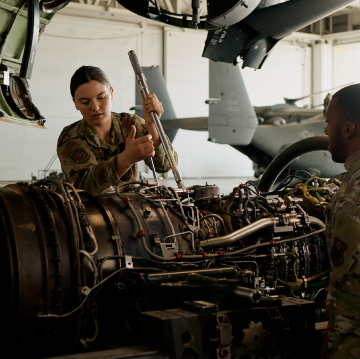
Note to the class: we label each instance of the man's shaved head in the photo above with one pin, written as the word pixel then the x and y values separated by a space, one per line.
pixel 348 103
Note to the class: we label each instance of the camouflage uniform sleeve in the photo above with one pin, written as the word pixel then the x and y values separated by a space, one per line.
pixel 343 299
pixel 79 165
pixel 161 163
pixel 345 237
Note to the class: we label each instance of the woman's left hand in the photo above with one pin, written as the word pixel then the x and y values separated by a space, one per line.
pixel 150 104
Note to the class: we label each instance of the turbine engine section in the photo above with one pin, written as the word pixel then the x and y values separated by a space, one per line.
pixel 86 272
pixel 219 14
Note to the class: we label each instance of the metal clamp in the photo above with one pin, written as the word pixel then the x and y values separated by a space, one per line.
pixel 225 336
pixel 129 262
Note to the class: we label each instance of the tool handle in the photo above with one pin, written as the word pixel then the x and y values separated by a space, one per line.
pixel 141 80
pixel 135 62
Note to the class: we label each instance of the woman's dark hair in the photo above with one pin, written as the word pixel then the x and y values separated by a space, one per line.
pixel 86 74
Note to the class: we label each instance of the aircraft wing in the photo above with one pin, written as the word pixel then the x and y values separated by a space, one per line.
pixel 281 110
pixel 281 20
pixel 189 123
pixel 288 114
pixel 254 37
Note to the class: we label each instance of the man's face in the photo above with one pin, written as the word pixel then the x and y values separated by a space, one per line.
pixel 335 132
pixel 93 100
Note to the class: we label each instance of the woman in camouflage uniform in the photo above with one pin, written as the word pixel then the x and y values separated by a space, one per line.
pixel 103 148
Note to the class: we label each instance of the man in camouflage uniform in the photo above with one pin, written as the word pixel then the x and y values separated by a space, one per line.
pixel 89 162
pixel 343 228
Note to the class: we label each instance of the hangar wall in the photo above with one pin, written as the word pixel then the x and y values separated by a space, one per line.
pixel 346 68
pixel 70 42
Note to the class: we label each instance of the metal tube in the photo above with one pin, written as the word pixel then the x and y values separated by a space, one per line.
pixel 252 295
pixel 196 13
pixel 152 167
pixel 141 80
pixel 213 215
pixel 172 277
pixel 233 237
pixel 251 229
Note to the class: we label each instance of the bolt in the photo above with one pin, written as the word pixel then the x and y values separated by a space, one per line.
pixel 147 212
pixel 223 353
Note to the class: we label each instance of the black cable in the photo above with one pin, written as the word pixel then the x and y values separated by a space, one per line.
pixel 253 185
pixel 246 207
pixel 265 203
pixel 229 214
pixel 256 193
pixel 92 289
pixel 264 209
pixel 253 213
pixel 287 181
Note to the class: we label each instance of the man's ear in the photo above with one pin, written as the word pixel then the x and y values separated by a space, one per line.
pixel 350 128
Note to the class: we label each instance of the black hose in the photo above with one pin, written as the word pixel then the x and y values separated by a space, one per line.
pixel 285 157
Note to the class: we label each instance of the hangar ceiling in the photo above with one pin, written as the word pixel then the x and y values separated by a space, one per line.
pixel 347 19
pixel 344 20
pixel 339 28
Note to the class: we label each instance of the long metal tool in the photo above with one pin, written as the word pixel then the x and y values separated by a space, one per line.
pixel 141 80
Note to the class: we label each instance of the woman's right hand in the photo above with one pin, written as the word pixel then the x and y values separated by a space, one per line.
pixel 136 149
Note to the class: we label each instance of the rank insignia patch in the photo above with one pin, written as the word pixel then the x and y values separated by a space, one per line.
pixel 99 154
pixel 69 147
pixel 337 252
pixel 79 155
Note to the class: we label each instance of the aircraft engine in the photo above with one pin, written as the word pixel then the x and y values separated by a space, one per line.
pixel 52 6
pixel 276 121
pixel 219 14
pixel 194 274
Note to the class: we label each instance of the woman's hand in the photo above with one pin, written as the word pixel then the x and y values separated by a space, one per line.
pixel 136 149
pixel 150 104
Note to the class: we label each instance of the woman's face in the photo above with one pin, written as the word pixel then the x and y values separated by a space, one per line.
pixel 93 100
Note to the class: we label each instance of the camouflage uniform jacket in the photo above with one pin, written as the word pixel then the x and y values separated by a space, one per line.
pixel 343 243
pixel 89 162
